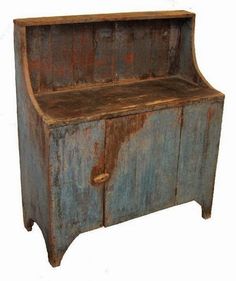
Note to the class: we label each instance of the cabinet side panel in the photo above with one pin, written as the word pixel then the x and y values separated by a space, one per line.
pixel 198 151
pixel 33 148
pixel 188 68
pixel 141 157
pixel 76 156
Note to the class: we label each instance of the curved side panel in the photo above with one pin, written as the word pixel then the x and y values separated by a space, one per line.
pixel 188 63
pixel 33 147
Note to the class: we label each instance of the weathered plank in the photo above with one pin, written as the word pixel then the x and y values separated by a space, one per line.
pixel 142 49
pixel 83 53
pixel 62 55
pixel 111 101
pixel 34 56
pixel 174 43
pixel 159 48
pixel 103 52
pixel 141 158
pixel 123 50
pixel 76 157
pixel 33 148
pixel 198 152
pixel 46 63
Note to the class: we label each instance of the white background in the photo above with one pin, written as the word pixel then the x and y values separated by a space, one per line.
pixel 174 244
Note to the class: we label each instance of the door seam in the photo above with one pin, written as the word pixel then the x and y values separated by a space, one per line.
pixel 104 169
pixel 179 149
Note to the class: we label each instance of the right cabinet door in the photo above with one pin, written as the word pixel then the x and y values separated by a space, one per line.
pixel 141 156
pixel 200 136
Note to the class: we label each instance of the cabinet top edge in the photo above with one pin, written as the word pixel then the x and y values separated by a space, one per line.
pixel 54 122
pixel 149 15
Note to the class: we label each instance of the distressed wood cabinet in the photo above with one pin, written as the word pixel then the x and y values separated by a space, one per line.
pixel 115 121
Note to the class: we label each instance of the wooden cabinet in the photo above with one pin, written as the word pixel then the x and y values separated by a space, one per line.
pixel 115 121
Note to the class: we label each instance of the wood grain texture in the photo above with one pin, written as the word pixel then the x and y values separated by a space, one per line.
pixel 141 158
pixel 104 17
pixel 103 52
pixel 111 101
pixel 198 153
pixel 76 157
pixel 142 49
pixel 159 52
pixel 123 51
pixel 46 62
pixel 174 47
pixel 83 53
pixel 34 55
pixel 62 56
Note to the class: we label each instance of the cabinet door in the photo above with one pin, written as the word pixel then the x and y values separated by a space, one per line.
pixel 141 157
pixel 76 157
pixel 198 152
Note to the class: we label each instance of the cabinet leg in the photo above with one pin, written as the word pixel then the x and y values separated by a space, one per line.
pixel 56 252
pixel 55 258
pixel 206 210
pixel 28 223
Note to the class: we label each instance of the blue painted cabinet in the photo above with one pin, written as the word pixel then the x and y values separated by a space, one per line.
pixel 115 121
pixel 152 161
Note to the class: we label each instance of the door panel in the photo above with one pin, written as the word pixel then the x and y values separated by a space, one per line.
pixel 77 156
pixel 141 157
pixel 198 151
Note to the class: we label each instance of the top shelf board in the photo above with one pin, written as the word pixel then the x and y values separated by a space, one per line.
pixel 104 17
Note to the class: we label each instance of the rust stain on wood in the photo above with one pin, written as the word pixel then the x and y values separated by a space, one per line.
pixel 129 58
pixel 210 114
pixel 119 131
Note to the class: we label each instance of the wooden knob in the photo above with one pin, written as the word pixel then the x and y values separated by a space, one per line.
pixel 101 178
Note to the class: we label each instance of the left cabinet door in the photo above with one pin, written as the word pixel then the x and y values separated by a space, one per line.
pixel 76 157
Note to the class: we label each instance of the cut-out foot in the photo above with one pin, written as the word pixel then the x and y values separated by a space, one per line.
pixel 55 254
pixel 206 213
pixel 28 224
pixel 55 260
